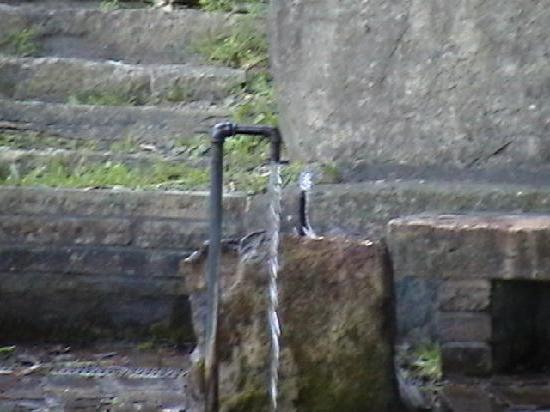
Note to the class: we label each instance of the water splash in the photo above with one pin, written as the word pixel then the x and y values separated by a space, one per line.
pixel 275 188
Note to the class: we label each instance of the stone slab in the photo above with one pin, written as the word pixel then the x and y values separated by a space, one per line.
pixel 65 231
pixel 472 246
pixel 144 124
pixel 90 260
pixel 59 79
pixel 176 234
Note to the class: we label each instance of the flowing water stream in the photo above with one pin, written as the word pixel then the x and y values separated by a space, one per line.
pixel 274 225
pixel 306 184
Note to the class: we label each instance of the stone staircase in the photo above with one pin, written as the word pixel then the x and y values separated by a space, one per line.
pixel 126 86
pixel 84 88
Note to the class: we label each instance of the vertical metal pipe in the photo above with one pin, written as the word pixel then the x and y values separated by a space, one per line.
pixel 214 251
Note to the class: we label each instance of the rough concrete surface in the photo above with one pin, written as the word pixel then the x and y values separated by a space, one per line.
pixel 415 81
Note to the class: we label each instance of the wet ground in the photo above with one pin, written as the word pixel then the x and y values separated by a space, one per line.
pixel 499 394
pixel 103 378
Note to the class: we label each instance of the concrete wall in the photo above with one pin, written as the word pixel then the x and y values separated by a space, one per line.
pixel 77 264
pixel 459 83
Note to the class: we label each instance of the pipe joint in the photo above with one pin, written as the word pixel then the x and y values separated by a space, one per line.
pixel 222 131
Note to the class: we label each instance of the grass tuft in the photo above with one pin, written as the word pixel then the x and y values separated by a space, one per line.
pixel 110 174
pixel 20 43
pixel 427 361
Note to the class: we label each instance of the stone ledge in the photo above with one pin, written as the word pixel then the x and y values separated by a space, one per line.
pixel 115 203
pixel 466 246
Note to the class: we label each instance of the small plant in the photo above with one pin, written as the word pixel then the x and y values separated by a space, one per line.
pixel 245 47
pixel 126 145
pixel 34 140
pixel 178 93
pixel 21 43
pixel 427 361
pixel 109 5
pixel 257 105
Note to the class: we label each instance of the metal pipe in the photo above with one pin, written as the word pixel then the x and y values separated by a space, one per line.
pixel 220 132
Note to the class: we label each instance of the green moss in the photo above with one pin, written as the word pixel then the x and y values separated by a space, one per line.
pixel 20 43
pixel 109 5
pixel 167 332
pixel 230 5
pixel 363 387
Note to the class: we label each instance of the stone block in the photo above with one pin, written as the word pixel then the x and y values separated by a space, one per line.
pixel 464 295
pixel 469 398
pixel 464 327
pixel 466 359
pixel 71 308
pixel 176 234
pixel 403 83
pixel 335 300
pixel 472 246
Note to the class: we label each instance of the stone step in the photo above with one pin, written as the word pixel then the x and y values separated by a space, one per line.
pixel 70 79
pixel 20 162
pixel 133 36
pixel 109 124
pixel 364 209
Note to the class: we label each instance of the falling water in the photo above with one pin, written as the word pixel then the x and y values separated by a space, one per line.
pixel 275 184
pixel 306 184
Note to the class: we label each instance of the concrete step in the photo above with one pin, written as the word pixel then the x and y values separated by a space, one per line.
pixel 364 209
pixel 109 124
pixel 60 79
pixel 133 36
pixel 18 163
pixel 64 79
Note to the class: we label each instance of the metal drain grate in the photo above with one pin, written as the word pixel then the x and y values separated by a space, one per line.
pixel 121 371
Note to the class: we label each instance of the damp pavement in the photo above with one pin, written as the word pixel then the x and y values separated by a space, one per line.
pixel 102 378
